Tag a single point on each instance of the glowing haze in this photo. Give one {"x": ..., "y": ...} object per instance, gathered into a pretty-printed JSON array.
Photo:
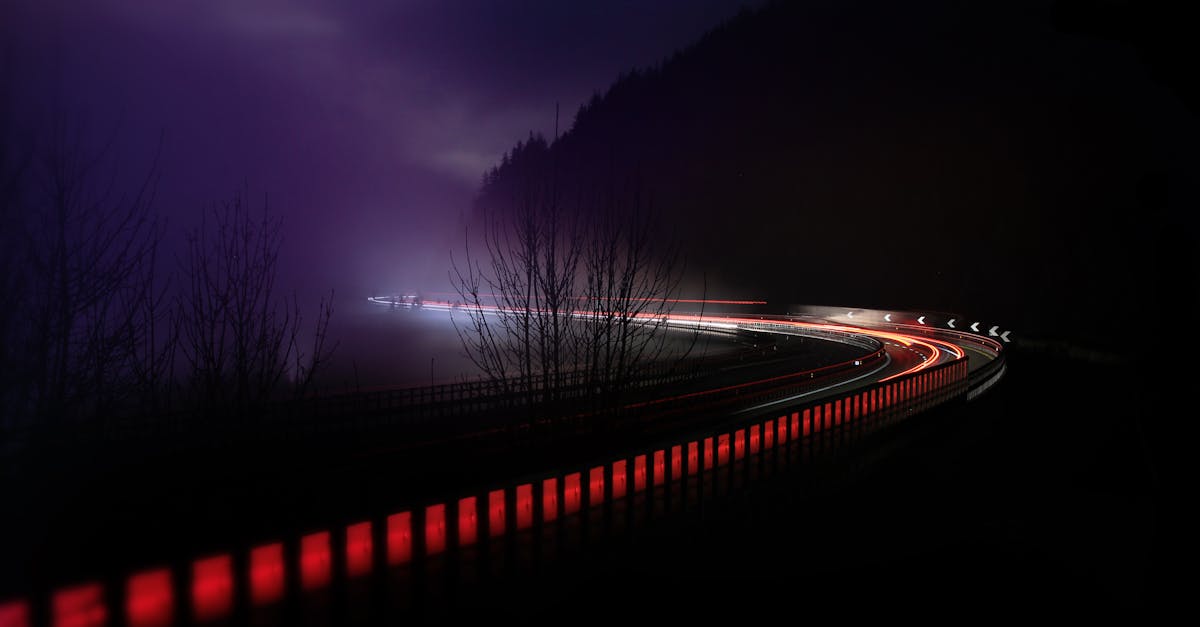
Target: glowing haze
[{"x": 369, "y": 124}]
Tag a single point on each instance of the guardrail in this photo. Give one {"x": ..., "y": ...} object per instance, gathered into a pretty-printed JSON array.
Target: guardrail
[
  {"x": 416, "y": 402},
  {"x": 489, "y": 403},
  {"x": 216, "y": 586}
]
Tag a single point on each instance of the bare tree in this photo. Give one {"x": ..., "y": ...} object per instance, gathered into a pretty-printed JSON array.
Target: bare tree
[
  {"x": 241, "y": 339},
  {"x": 82, "y": 250},
  {"x": 574, "y": 294},
  {"x": 632, "y": 276},
  {"x": 152, "y": 343},
  {"x": 91, "y": 328},
  {"x": 16, "y": 158},
  {"x": 520, "y": 298}
]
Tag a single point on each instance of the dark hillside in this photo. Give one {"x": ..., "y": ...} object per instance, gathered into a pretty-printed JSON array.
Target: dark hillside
[{"x": 1003, "y": 161}]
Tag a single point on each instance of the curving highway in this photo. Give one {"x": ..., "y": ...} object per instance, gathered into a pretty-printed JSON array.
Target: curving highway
[
  {"x": 909, "y": 347},
  {"x": 904, "y": 363}
]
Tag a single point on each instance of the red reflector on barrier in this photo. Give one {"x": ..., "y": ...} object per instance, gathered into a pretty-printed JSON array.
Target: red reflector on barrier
[
  {"x": 468, "y": 521},
  {"x": 708, "y": 453},
  {"x": 723, "y": 449},
  {"x": 768, "y": 434},
  {"x": 149, "y": 599},
  {"x": 79, "y": 606},
  {"x": 755, "y": 439},
  {"x": 596, "y": 485},
  {"x": 549, "y": 499},
  {"x": 739, "y": 444},
  {"x": 618, "y": 479},
  {"x": 572, "y": 493},
  {"x": 316, "y": 561},
  {"x": 639, "y": 473},
  {"x": 358, "y": 549},
  {"x": 435, "y": 529},
  {"x": 693, "y": 459},
  {"x": 212, "y": 587},
  {"x": 399, "y": 538},
  {"x": 524, "y": 506},
  {"x": 496, "y": 513},
  {"x": 14, "y": 614},
  {"x": 796, "y": 424},
  {"x": 266, "y": 573}
]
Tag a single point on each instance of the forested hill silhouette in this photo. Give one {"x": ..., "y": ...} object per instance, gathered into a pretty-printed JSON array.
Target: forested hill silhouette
[{"x": 944, "y": 156}]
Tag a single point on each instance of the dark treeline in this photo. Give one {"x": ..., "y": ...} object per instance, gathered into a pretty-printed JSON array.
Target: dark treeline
[
  {"x": 101, "y": 321},
  {"x": 1009, "y": 162}
]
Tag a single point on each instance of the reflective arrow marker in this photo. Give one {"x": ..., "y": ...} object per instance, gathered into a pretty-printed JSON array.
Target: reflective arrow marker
[
  {"x": 975, "y": 327},
  {"x": 921, "y": 320},
  {"x": 888, "y": 317},
  {"x": 992, "y": 331},
  {"x": 951, "y": 323},
  {"x": 1004, "y": 336}
]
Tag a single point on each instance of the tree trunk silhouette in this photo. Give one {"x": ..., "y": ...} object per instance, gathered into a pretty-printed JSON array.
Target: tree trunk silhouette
[
  {"x": 565, "y": 294},
  {"x": 632, "y": 275},
  {"x": 519, "y": 299},
  {"x": 241, "y": 339},
  {"x": 79, "y": 255}
]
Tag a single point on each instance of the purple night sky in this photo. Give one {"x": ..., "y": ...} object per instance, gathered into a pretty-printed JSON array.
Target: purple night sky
[{"x": 369, "y": 124}]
